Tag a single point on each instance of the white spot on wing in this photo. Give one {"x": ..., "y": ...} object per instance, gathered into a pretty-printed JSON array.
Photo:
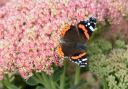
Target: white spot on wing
[
  {"x": 84, "y": 59},
  {"x": 91, "y": 28},
  {"x": 88, "y": 23}
]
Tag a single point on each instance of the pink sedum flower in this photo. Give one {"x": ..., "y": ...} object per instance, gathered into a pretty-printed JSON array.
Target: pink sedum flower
[{"x": 30, "y": 30}]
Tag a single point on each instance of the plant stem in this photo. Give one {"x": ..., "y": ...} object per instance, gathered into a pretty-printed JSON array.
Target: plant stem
[
  {"x": 62, "y": 77},
  {"x": 77, "y": 75}
]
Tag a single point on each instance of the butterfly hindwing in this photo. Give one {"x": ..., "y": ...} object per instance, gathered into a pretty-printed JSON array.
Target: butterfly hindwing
[{"x": 80, "y": 59}]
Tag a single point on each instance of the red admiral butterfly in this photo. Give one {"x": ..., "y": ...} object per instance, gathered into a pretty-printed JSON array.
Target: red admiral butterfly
[{"x": 73, "y": 41}]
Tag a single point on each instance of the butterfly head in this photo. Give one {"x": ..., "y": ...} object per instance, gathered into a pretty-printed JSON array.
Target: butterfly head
[
  {"x": 90, "y": 24},
  {"x": 92, "y": 20}
]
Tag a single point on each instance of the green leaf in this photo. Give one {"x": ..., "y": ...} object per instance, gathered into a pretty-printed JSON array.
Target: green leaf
[
  {"x": 40, "y": 87},
  {"x": 53, "y": 83},
  {"x": 104, "y": 83},
  {"x": 32, "y": 81},
  {"x": 9, "y": 85},
  {"x": 57, "y": 73},
  {"x": 45, "y": 81},
  {"x": 62, "y": 77}
]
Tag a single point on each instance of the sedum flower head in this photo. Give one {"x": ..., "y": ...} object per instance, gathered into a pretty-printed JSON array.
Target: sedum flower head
[{"x": 112, "y": 67}]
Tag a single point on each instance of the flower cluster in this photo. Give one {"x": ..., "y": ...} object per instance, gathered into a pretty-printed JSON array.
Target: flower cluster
[{"x": 29, "y": 30}]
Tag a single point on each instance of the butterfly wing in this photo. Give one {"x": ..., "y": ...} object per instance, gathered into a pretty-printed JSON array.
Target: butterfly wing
[{"x": 72, "y": 43}]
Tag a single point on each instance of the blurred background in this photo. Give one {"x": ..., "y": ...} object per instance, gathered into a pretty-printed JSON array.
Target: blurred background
[{"x": 107, "y": 48}]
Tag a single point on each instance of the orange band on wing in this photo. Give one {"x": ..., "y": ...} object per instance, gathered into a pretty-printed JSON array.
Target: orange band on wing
[
  {"x": 77, "y": 57},
  {"x": 60, "y": 52},
  {"x": 85, "y": 30},
  {"x": 65, "y": 29}
]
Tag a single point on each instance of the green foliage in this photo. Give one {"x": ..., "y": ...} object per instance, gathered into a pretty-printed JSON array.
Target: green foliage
[
  {"x": 44, "y": 81},
  {"x": 58, "y": 80},
  {"x": 112, "y": 68},
  {"x": 8, "y": 83},
  {"x": 100, "y": 30},
  {"x": 120, "y": 44},
  {"x": 99, "y": 46}
]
